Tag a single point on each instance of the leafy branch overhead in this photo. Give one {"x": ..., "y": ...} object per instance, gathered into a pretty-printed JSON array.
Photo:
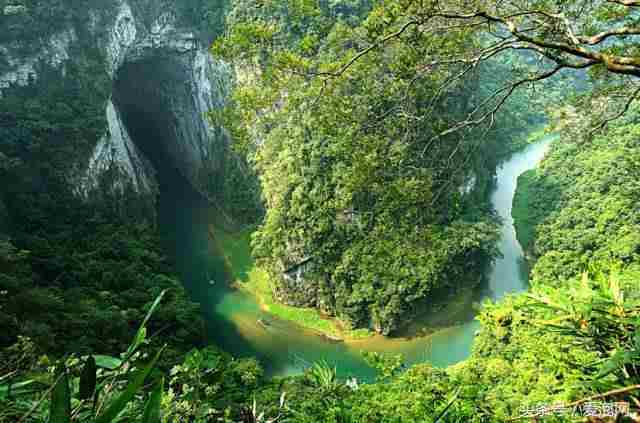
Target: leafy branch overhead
[
  {"x": 456, "y": 38},
  {"x": 351, "y": 135}
]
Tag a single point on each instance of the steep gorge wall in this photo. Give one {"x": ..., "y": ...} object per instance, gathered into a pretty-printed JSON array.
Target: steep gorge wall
[{"x": 156, "y": 82}]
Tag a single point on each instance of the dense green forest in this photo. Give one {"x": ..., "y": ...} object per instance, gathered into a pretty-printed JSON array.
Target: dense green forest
[
  {"x": 77, "y": 275},
  {"x": 368, "y": 217},
  {"x": 372, "y": 131},
  {"x": 582, "y": 204}
]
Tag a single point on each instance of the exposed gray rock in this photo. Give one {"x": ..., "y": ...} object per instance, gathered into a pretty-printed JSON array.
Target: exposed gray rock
[
  {"x": 469, "y": 184},
  {"x": 22, "y": 70},
  {"x": 117, "y": 149},
  {"x": 296, "y": 288},
  {"x": 14, "y": 9},
  {"x": 121, "y": 36},
  {"x": 164, "y": 80},
  {"x": 164, "y": 89}
]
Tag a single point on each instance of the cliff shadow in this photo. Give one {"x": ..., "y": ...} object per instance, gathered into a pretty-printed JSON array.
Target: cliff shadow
[{"x": 154, "y": 98}]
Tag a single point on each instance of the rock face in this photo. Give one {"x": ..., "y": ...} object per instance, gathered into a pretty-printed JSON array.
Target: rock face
[
  {"x": 295, "y": 287},
  {"x": 160, "y": 78},
  {"x": 116, "y": 147}
]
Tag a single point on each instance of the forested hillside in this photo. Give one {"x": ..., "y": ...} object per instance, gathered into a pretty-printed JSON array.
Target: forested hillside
[
  {"x": 371, "y": 212},
  {"x": 583, "y": 203},
  {"x": 76, "y": 276},
  {"x": 371, "y": 130}
]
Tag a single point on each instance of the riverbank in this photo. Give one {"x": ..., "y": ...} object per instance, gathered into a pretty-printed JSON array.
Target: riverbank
[
  {"x": 532, "y": 135},
  {"x": 288, "y": 340},
  {"x": 247, "y": 276},
  {"x": 523, "y": 220},
  {"x": 525, "y": 213},
  {"x": 451, "y": 310}
]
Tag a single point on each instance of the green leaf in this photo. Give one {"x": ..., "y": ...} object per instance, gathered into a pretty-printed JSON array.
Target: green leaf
[
  {"x": 449, "y": 404},
  {"x": 118, "y": 405},
  {"x": 60, "y": 410},
  {"x": 19, "y": 388},
  {"x": 137, "y": 341},
  {"x": 155, "y": 304},
  {"x": 142, "y": 331},
  {"x": 152, "y": 408},
  {"x": 107, "y": 362},
  {"x": 617, "y": 361},
  {"x": 88, "y": 379}
]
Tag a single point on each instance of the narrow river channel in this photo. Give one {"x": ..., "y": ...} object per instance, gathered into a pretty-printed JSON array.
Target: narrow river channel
[{"x": 284, "y": 348}]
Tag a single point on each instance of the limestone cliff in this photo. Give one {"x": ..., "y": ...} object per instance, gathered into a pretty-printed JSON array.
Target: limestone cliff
[{"x": 159, "y": 81}]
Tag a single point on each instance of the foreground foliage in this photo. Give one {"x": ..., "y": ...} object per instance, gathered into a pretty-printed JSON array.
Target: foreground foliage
[{"x": 572, "y": 344}]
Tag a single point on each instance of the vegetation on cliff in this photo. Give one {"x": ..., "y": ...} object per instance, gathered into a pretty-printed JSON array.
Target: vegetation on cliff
[
  {"x": 582, "y": 203},
  {"x": 77, "y": 273},
  {"x": 370, "y": 212},
  {"x": 522, "y": 211},
  {"x": 350, "y": 192}
]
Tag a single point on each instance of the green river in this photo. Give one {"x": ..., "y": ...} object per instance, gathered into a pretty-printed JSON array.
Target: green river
[{"x": 283, "y": 347}]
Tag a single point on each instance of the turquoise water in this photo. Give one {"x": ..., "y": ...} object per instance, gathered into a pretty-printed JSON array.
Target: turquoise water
[{"x": 284, "y": 348}]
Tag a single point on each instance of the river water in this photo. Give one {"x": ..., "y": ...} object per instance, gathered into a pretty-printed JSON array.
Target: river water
[{"x": 284, "y": 348}]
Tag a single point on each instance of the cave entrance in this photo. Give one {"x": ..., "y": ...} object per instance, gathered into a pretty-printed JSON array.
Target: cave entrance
[
  {"x": 154, "y": 99},
  {"x": 161, "y": 100},
  {"x": 145, "y": 95}
]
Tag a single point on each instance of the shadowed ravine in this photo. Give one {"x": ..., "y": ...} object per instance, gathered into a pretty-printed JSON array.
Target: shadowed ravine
[{"x": 285, "y": 348}]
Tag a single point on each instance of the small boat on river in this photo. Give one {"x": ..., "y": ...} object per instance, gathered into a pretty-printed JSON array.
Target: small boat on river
[
  {"x": 265, "y": 324},
  {"x": 331, "y": 338}
]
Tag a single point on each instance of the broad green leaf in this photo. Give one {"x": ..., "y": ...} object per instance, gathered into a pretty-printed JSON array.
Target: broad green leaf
[
  {"x": 18, "y": 388},
  {"x": 449, "y": 404},
  {"x": 152, "y": 408},
  {"x": 619, "y": 359},
  {"x": 107, "y": 362},
  {"x": 118, "y": 405},
  {"x": 155, "y": 304},
  {"x": 60, "y": 409},
  {"x": 137, "y": 341}
]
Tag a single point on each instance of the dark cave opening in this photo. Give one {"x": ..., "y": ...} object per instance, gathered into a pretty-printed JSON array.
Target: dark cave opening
[
  {"x": 155, "y": 100},
  {"x": 144, "y": 100}
]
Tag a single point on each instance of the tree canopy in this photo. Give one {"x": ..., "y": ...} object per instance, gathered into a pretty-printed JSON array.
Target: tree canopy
[
  {"x": 455, "y": 37},
  {"x": 375, "y": 128},
  {"x": 363, "y": 181}
]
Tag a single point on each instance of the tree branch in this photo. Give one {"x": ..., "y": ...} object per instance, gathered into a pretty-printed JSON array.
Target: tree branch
[
  {"x": 625, "y": 109},
  {"x": 355, "y": 58},
  {"x": 627, "y": 3},
  {"x": 606, "y": 394},
  {"x": 598, "y": 38}
]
